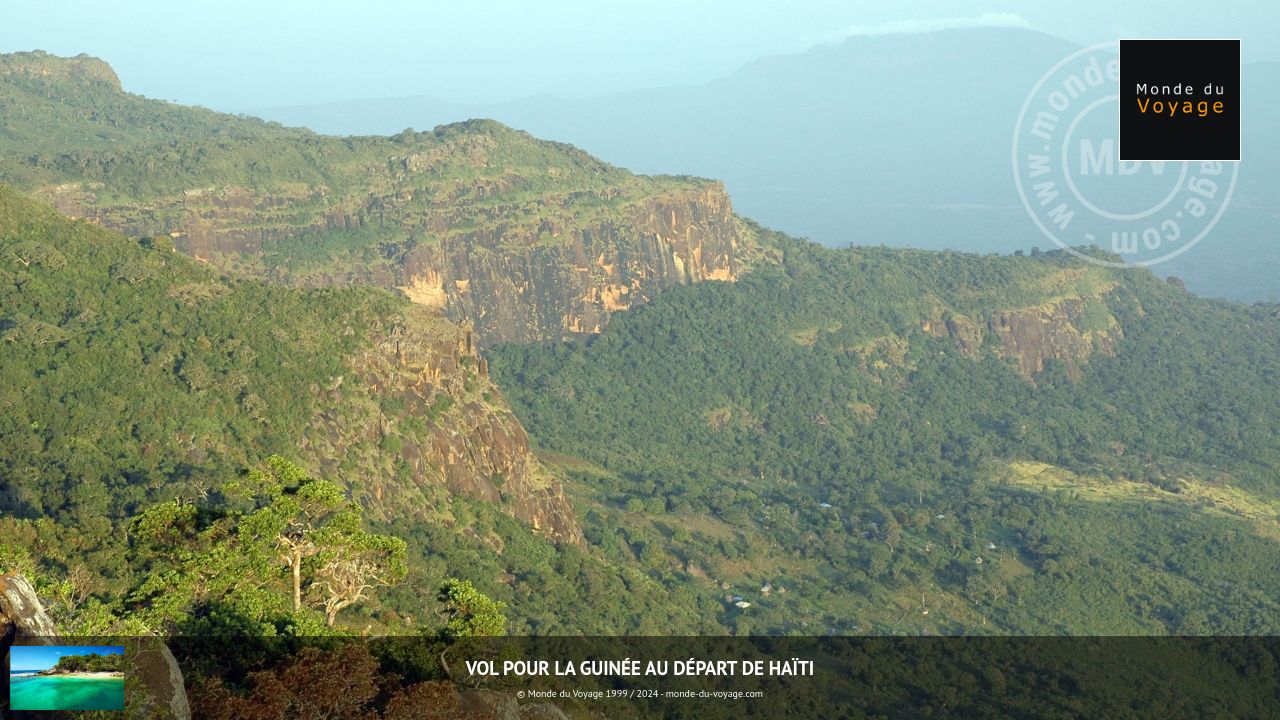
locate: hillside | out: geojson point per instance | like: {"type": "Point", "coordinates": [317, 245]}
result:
{"type": "Point", "coordinates": [132, 376]}
{"type": "Point", "coordinates": [898, 139]}
{"type": "Point", "coordinates": [927, 442]}
{"type": "Point", "coordinates": [526, 239]}
{"type": "Point", "coordinates": [858, 440]}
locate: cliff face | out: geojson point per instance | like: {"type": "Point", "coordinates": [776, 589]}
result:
{"type": "Point", "coordinates": [521, 271]}
{"type": "Point", "coordinates": [1069, 330]}
{"type": "Point", "coordinates": [528, 240]}
{"type": "Point", "coordinates": [517, 287]}
{"type": "Point", "coordinates": [386, 397]}
{"type": "Point", "coordinates": [41, 66]}
{"type": "Point", "coordinates": [420, 405]}
{"type": "Point", "coordinates": [491, 221]}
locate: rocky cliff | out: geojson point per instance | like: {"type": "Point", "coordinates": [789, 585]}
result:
{"type": "Point", "coordinates": [564, 277]}
{"type": "Point", "coordinates": [520, 268]}
{"type": "Point", "coordinates": [528, 240]}
{"type": "Point", "coordinates": [43, 67]}
{"type": "Point", "coordinates": [21, 613]}
{"type": "Point", "coordinates": [419, 404]}
{"type": "Point", "coordinates": [516, 282]}
{"type": "Point", "coordinates": [1068, 330]}
{"type": "Point", "coordinates": [362, 387]}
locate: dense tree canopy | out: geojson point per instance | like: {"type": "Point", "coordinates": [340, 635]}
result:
{"type": "Point", "coordinates": [802, 428]}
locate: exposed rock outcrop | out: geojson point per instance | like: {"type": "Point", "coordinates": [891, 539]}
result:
{"type": "Point", "coordinates": [514, 287]}
{"type": "Point", "coordinates": [967, 334]}
{"type": "Point", "coordinates": [40, 65]}
{"type": "Point", "coordinates": [516, 281]}
{"type": "Point", "coordinates": [438, 422]}
{"type": "Point", "coordinates": [525, 252]}
{"type": "Point", "coordinates": [21, 614]}
{"type": "Point", "coordinates": [1031, 337]}
{"type": "Point", "coordinates": [1055, 332]}
{"type": "Point", "coordinates": [156, 683]}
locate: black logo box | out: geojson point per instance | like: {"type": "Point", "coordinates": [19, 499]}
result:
{"type": "Point", "coordinates": [1185, 67]}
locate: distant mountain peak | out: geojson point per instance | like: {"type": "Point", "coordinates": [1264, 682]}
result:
{"type": "Point", "coordinates": [40, 65]}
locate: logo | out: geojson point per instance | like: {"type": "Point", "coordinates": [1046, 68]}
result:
{"type": "Point", "coordinates": [1180, 99]}
{"type": "Point", "coordinates": [1071, 180]}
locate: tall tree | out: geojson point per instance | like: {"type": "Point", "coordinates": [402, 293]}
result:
{"type": "Point", "coordinates": [230, 557]}
{"type": "Point", "coordinates": [467, 613]}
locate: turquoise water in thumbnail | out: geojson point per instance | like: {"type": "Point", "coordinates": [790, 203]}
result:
{"type": "Point", "coordinates": [65, 693]}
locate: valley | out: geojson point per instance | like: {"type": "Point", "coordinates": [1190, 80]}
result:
{"type": "Point", "coordinates": [607, 401]}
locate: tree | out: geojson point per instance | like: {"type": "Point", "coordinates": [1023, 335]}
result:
{"type": "Point", "coordinates": [354, 562]}
{"type": "Point", "coordinates": [304, 505]}
{"type": "Point", "coordinates": [30, 252]}
{"type": "Point", "coordinates": [228, 559]}
{"type": "Point", "coordinates": [312, 683]}
{"type": "Point", "coordinates": [467, 613]}
{"type": "Point", "coordinates": [311, 520]}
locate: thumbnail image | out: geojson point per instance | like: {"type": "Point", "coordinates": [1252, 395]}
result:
{"type": "Point", "coordinates": [66, 677]}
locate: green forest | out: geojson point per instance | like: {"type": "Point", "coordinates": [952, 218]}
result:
{"type": "Point", "coordinates": [795, 441]}
{"type": "Point", "coordinates": [863, 440]}
{"type": "Point", "coordinates": [136, 384]}
{"type": "Point", "coordinates": [799, 430]}
{"type": "Point", "coordinates": [92, 662]}
{"type": "Point", "coordinates": [261, 440]}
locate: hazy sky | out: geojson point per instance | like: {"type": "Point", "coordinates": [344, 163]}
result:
{"type": "Point", "coordinates": [241, 54]}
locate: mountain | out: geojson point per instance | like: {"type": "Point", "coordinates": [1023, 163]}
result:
{"type": "Point", "coordinates": [922, 442]}
{"type": "Point", "coordinates": [895, 139]}
{"type": "Point", "coordinates": [132, 376]}
{"type": "Point", "coordinates": [845, 438]}
{"type": "Point", "coordinates": [826, 143]}
{"type": "Point", "coordinates": [859, 440]}
{"type": "Point", "coordinates": [206, 371]}
{"type": "Point", "coordinates": [524, 239]}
